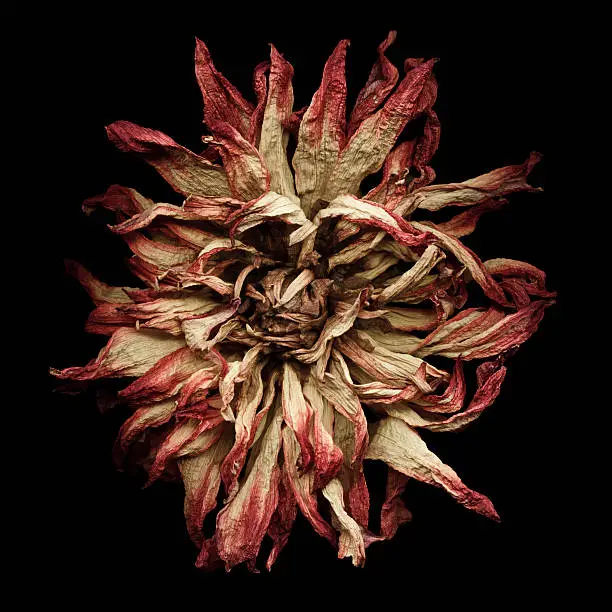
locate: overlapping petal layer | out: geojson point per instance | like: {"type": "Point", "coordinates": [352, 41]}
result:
{"type": "Point", "coordinates": [283, 333]}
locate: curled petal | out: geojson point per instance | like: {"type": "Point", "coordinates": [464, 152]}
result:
{"type": "Point", "coordinates": [145, 218]}
{"type": "Point", "coordinates": [381, 81]}
{"type": "Point", "coordinates": [153, 415]}
{"type": "Point", "coordinates": [260, 86]}
{"type": "Point", "coordinates": [251, 394]}
{"type": "Point", "coordinates": [393, 512]}
{"type": "Point", "coordinates": [502, 181]}
{"type": "Point", "coordinates": [184, 433]}
{"type": "Point", "coordinates": [302, 486]}
{"type": "Point", "coordinates": [99, 292]}
{"type": "Point", "coordinates": [125, 202]}
{"type": "Point", "coordinates": [282, 519]}
{"type": "Point", "coordinates": [350, 543]}
{"type": "Point", "coordinates": [368, 147]}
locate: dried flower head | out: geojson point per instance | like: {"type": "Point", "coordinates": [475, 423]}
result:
{"type": "Point", "coordinates": [288, 318]}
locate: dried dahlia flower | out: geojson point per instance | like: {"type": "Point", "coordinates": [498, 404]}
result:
{"type": "Point", "coordinates": [286, 330]}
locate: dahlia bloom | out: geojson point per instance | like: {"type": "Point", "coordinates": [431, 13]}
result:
{"type": "Point", "coordinates": [288, 320]}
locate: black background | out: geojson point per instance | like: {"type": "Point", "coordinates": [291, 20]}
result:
{"type": "Point", "coordinates": [105, 532]}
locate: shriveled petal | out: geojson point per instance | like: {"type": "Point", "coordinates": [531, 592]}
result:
{"type": "Point", "coordinates": [381, 81]}
{"type": "Point", "coordinates": [327, 456]}
{"type": "Point", "coordinates": [363, 213]}
{"type": "Point", "coordinates": [160, 255]}
{"type": "Point", "coordinates": [387, 365]}
{"type": "Point", "coordinates": [411, 278]}
{"type": "Point", "coordinates": [202, 477]}
{"type": "Point", "coordinates": [490, 338]}
{"type": "Point", "coordinates": [243, 522]}
{"type": "Point", "coordinates": [350, 543]}
{"type": "Point", "coordinates": [464, 223]}
{"type": "Point", "coordinates": [251, 394]}
{"type": "Point", "coordinates": [344, 400]}
{"type": "Point", "coordinates": [166, 313]}
{"type": "Point", "coordinates": [197, 328]}
{"type": "Point", "coordinates": [403, 319]}
{"type": "Point", "coordinates": [149, 416]}
{"type": "Point", "coordinates": [490, 376]}
{"type": "Point", "coordinates": [335, 326]}
{"type": "Point", "coordinates": [297, 413]}
{"type": "Point", "coordinates": [165, 378]}
{"type": "Point", "coordinates": [260, 86]}
{"type": "Point", "coordinates": [356, 494]}
{"type": "Point", "coordinates": [183, 433]}
{"type": "Point", "coordinates": [129, 352]}
{"type": "Point", "coordinates": [469, 259]}
{"type": "Point", "coordinates": [100, 292]}
{"type": "Point", "coordinates": [368, 147]}
{"type": "Point", "coordinates": [393, 512]}
{"type": "Point", "coordinates": [222, 101]}
{"type": "Point", "coordinates": [184, 171]}
{"type": "Point", "coordinates": [124, 201]}
{"type": "Point", "coordinates": [322, 133]}
{"type": "Point", "coordinates": [272, 207]}
{"type": "Point", "coordinates": [398, 445]}
{"type": "Point", "coordinates": [282, 519]}
{"type": "Point", "coordinates": [274, 136]}
{"type": "Point", "coordinates": [145, 218]}
{"type": "Point", "coordinates": [502, 181]}
{"type": "Point", "coordinates": [302, 487]}
{"type": "Point", "coordinates": [247, 174]}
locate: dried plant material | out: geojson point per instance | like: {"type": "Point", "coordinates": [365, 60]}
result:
{"type": "Point", "coordinates": [284, 332]}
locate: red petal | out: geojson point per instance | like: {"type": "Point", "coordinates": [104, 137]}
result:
{"type": "Point", "coordinates": [222, 101]}
{"type": "Point", "coordinates": [381, 81]}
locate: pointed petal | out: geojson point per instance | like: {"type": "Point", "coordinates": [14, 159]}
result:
{"type": "Point", "coordinates": [243, 522]}
{"type": "Point", "coordinates": [121, 200]}
{"type": "Point", "coordinates": [492, 336]}
{"type": "Point", "coordinates": [302, 487]}
{"type": "Point", "coordinates": [251, 394]}
{"type": "Point", "coordinates": [381, 81]}
{"type": "Point", "coordinates": [322, 132]}
{"type": "Point", "coordinates": [165, 378]}
{"type": "Point", "coordinates": [100, 292]}
{"type": "Point", "coordinates": [183, 433]}
{"type": "Point", "coordinates": [202, 478]}
{"type": "Point", "coordinates": [129, 352]}
{"type": "Point", "coordinates": [377, 134]}
{"type": "Point", "coordinates": [502, 181]}
{"type": "Point", "coordinates": [282, 520]}
{"type": "Point", "coordinates": [297, 413]}
{"type": "Point", "coordinates": [260, 85]}
{"type": "Point", "coordinates": [247, 174]}
{"type": "Point", "coordinates": [274, 137]}
{"type": "Point", "coordinates": [398, 445]}
{"type": "Point", "coordinates": [184, 171]}
{"type": "Point", "coordinates": [222, 101]}
{"type": "Point", "coordinates": [153, 415]}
